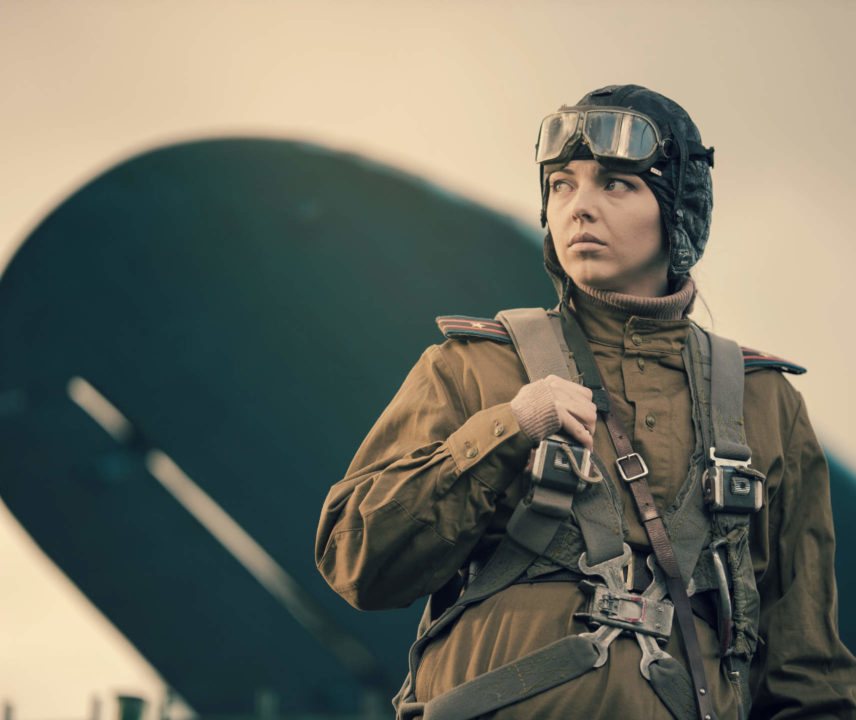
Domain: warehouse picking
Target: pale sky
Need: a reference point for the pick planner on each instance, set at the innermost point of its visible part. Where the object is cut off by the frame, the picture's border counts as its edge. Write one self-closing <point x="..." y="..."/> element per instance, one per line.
<point x="452" y="91"/>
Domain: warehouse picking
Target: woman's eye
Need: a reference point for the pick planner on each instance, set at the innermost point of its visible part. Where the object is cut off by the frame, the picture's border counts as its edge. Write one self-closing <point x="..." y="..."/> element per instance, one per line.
<point x="618" y="184"/>
<point x="560" y="186"/>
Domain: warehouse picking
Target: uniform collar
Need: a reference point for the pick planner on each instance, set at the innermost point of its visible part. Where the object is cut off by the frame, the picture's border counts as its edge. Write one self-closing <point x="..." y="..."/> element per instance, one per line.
<point x="655" y="325"/>
<point x="669" y="307"/>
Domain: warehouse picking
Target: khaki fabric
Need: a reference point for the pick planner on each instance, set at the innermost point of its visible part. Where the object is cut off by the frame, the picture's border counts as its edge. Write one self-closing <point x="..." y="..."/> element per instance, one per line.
<point x="439" y="474"/>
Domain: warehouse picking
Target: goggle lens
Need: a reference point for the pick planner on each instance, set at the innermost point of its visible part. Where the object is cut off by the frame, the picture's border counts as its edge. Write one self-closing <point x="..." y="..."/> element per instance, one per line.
<point x="611" y="134"/>
<point x="620" y="136"/>
<point x="556" y="131"/>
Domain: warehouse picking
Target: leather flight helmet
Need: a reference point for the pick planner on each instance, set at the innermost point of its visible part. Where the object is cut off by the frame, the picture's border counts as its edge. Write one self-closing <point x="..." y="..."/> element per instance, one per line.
<point x="679" y="176"/>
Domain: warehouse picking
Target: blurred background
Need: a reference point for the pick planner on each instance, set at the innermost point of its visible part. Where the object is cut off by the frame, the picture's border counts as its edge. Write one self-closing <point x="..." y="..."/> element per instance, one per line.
<point x="204" y="185"/>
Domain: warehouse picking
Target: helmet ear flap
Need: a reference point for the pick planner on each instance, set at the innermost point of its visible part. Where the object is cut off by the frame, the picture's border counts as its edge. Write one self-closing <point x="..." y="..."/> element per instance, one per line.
<point x="682" y="255"/>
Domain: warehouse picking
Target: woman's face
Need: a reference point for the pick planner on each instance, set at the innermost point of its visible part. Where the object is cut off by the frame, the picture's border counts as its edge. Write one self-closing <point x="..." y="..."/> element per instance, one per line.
<point x="606" y="229"/>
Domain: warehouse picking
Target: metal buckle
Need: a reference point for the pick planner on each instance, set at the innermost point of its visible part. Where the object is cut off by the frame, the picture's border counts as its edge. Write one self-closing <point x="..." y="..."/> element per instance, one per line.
<point x="740" y="485"/>
<point x="560" y="470"/>
<point x="631" y="611"/>
<point x="632" y="456"/>
<point x="732" y="486"/>
<point x="727" y="462"/>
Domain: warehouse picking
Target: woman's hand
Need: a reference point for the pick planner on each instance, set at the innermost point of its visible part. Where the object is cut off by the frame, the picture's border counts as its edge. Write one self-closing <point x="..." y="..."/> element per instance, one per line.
<point x="546" y="406"/>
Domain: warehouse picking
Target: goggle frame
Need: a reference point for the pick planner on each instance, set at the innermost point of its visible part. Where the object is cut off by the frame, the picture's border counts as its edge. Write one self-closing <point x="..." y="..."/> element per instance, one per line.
<point x="580" y="133"/>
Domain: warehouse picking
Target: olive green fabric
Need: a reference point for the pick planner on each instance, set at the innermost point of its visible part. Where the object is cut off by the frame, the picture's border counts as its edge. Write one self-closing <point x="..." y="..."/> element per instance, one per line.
<point x="438" y="476"/>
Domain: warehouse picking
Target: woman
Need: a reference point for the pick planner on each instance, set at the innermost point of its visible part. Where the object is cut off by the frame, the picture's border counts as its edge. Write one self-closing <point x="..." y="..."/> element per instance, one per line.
<point x="444" y="479"/>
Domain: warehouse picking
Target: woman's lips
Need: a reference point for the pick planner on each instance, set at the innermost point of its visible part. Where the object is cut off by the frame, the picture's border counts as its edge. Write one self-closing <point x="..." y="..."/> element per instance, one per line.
<point x="585" y="241"/>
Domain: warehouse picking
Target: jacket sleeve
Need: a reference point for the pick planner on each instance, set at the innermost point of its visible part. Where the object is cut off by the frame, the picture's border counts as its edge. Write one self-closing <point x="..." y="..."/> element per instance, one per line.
<point x="804" y="671"/>
<point x="422" y="487"/>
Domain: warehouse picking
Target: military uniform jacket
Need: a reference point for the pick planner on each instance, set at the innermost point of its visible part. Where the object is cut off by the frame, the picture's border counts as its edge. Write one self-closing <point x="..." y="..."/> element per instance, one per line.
<point x="438" y="476"/>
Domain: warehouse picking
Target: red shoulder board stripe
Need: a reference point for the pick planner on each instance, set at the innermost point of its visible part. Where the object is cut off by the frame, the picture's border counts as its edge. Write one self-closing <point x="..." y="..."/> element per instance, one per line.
<point x="464" y="326"/>
<point x="758" y="359"/>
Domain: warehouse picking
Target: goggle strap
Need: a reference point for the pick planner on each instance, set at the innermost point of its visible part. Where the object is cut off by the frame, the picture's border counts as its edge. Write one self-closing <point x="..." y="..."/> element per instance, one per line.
<point x="697" y="151"/>
<point x="683" y="145"/>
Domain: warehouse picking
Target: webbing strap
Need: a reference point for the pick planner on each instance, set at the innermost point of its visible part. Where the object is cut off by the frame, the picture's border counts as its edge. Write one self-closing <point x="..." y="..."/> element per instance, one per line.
<point x="600" y="522"/>
<point x="697" y="361"/>
<point x="589" y="372"/>
<point x="689" y="520"/>
<point x="656" y="530"/>
<point x="543" y="352"/>
<point x="720" y="382"/>
<point x="542" y="343"/>
<point x="540" y="340"/>
<point x="727" y="380"/>
<point x="532" y="332"/>
<point x="674" y="687"/>
<point x="722" y="429"/>
<point x="546" y="668"/>
<point x="634" y="471"/>
<point x="507" y="563"/>
<point x="531" y="529"/>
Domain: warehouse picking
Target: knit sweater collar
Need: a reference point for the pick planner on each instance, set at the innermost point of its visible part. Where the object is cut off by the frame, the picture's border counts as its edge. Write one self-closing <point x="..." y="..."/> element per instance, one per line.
<point x="655" y="325"/>
<point x="668" y="307"/>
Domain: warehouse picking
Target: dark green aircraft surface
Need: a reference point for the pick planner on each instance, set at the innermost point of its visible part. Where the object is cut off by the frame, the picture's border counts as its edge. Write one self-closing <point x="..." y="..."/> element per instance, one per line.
<point x="191" y="348"/>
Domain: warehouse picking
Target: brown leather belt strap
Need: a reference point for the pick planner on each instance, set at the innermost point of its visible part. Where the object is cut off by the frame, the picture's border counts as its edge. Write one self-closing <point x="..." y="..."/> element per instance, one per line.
<point x="633" y="470"/>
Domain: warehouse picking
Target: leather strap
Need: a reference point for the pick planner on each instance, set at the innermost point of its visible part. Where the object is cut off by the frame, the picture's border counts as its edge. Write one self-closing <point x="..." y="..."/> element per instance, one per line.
<point x="589" y="375"/>
<point x="632" y="467"/>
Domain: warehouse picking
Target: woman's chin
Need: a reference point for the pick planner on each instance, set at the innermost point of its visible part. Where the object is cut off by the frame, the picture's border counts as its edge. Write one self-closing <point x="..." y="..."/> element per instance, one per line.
<point x="596" y="281"/>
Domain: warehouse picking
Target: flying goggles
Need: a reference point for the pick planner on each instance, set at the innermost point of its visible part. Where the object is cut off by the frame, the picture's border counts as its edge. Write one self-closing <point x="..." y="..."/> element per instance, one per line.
<point x="616" y="136"/>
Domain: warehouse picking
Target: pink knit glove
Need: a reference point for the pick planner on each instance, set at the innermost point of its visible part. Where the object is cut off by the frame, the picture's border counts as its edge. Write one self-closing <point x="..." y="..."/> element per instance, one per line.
<point x="534" y="408"/>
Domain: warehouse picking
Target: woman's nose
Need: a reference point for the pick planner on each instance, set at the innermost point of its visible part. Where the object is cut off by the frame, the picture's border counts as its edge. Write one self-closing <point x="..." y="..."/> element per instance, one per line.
<point x="583" y="206"/>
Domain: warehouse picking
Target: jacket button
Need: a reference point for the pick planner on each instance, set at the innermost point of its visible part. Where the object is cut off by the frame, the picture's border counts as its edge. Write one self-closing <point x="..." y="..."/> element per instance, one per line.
<point x="640" y="361"/>
<point x="498" y="429"/>
<point x="636" y="338"/>
<point x="471" y="452"/>
<point x="650" y="420"/>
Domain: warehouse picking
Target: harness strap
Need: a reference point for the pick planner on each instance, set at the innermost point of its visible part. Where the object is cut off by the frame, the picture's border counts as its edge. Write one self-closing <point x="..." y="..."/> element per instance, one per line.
<point x="632" y="468"/>
<point x="529" y="532"/>
<point x="697" y="351"/>
<point x="540" y="340"/>
<point x="545" y="350"/>
<point x="546" y="668"/>
<point x="589" y="372"/>
<point x="717" y="382"/>
<point x="672" y="685"/>
<point x="689" y="522"/>
<point x="634" y="471"/>
<point x="600" y="522"/>
<point x="726" y="391"/>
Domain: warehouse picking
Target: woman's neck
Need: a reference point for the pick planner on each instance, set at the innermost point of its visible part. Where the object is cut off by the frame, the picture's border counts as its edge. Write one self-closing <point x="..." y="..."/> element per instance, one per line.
<point x="673" y="306"/>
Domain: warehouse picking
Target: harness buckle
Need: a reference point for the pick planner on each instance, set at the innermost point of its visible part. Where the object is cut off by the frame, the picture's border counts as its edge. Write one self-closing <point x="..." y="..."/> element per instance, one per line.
<point x="731" y="486"/>
<point x="559" y="471"/>
<point x="629" y="611"/>
<point x="631" y="473"/>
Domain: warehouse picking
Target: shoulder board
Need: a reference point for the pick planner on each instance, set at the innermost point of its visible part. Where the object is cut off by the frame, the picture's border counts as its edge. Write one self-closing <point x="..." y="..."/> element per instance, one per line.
<point x="757" y="359"/>
<point x="453" y="326"/>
